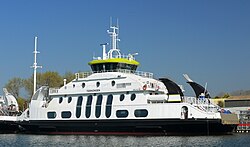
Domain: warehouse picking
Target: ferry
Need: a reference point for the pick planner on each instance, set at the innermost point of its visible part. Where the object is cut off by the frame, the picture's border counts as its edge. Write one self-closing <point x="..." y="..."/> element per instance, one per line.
<point x="116" y="99"/>
<point x="8" y="113"/>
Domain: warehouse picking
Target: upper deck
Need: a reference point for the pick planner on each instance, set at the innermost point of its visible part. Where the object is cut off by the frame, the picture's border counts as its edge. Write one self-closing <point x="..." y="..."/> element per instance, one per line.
<point x="113" y="60"/>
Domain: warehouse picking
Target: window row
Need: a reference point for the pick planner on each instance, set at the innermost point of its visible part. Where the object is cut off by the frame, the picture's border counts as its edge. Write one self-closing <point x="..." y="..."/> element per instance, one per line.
<point x="119" y="113"/>
<point x="98" y="84"/>
<point x="122" y="97"/>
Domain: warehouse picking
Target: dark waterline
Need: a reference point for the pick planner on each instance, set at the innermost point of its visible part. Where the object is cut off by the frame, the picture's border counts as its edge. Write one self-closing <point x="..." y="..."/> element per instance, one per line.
<point x="128" y="141"/>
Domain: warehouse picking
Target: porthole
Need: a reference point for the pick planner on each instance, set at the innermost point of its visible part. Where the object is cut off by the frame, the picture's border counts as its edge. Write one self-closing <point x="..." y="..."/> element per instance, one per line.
<point x="97" y="84"/>
<point x="60" y="100"/>
<point x="69" y="99"/>
<point x="66" y="114"/>
<point x="74" y="85"/>
<point x="122" y="96"/>
<point x="122" y="113"/>
<point x="51" y="114"/>
<point x="133" y="96"/>
<point x="83" y="85"/>
<point x="141" y="113"/>
<point x="113" y="83"/>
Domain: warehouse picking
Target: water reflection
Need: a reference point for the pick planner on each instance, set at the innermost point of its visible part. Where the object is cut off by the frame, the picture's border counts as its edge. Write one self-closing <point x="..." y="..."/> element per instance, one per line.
<point x="127" y="141"/>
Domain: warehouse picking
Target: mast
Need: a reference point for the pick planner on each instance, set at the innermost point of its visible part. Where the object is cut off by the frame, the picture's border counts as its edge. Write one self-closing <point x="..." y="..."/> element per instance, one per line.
<point x="35" y="66"/>
<point x="114" y="35"/>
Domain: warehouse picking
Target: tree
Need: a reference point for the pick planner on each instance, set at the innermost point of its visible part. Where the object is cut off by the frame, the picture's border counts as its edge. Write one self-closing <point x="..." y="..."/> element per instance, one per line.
<point x="69" y="76"/>
<point x="21" y="102"/>
<point x="49" y="78"/>
<point x="28" y="85"/>
<point x="14" y="85"/>
<point x="226" y="95"/>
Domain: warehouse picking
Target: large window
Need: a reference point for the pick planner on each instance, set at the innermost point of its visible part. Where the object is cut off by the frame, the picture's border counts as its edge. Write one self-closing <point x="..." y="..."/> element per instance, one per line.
<point x="88" y="106"/>
<point x="79" y="107"/>
<point x="141" y="113"/>
<point x="109" y="105"/>
<point x="112" y="67"/>
<point x="66" y="114"/>
<point x="98" y="106"/>
<point x="121" y="113"/>
<point x="51" y="114"/>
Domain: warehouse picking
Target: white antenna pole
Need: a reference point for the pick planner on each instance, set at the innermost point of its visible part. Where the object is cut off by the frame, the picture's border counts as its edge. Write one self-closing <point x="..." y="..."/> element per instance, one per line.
<point x="35" y="65"/>
<point x="205" y="89"/>
<point x="104" y="55"/>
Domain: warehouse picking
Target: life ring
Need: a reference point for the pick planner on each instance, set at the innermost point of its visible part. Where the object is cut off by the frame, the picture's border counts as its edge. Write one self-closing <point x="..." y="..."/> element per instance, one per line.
<point x="144" y="87"/>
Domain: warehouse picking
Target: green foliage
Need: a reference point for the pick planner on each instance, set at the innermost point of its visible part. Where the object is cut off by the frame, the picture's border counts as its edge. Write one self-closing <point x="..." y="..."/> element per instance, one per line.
<point x="220" y="103"/>
<point x="217" y="97"/>
<point x="226" y="95"/>
<point x="28" y="85"/>
<point x="21" y="102"/>
<point x="51" y="79"/>
<point x="69" y="76"/>
<point x="14" y="85"/>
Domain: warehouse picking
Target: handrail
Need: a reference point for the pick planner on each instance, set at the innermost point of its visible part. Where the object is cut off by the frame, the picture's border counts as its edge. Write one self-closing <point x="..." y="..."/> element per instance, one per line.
<point x="139" y="73"/>
<point x="203" y="103"/>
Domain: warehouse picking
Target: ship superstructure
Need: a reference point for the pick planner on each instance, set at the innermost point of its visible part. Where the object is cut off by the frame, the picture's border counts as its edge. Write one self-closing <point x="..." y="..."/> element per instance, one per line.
<point x="115" y="98"/>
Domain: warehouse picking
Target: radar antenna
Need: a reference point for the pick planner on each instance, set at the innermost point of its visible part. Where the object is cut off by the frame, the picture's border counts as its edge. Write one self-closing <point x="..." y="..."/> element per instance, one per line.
<point x="114" y="36"/>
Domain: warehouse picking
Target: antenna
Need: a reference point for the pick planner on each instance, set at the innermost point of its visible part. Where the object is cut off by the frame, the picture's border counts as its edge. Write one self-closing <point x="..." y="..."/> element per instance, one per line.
<point x="35" y="66"/>
<point x="205" y="89"/>
<point x="104" y="54"/>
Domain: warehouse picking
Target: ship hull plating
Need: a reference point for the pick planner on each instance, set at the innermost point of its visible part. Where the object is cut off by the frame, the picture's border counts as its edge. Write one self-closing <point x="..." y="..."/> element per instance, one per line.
<point x="8" y="127"/>
<point x="129" y="127"/>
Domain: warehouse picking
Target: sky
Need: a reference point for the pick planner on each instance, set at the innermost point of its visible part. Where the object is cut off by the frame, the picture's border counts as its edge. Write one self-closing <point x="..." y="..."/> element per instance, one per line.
<point x="207" y="39"/>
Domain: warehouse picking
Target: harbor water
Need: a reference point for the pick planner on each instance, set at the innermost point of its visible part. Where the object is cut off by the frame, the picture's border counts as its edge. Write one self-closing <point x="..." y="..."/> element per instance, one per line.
<point x="239" y="139"/>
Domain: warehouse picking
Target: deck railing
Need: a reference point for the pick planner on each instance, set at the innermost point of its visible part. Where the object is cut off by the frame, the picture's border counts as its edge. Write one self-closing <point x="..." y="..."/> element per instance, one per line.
<point x="139" y="73"/>
<point x="202" y="103"/>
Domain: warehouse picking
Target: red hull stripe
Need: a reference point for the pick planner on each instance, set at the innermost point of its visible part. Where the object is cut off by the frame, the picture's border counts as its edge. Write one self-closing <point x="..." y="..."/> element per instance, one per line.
<point x="244" y="125"/>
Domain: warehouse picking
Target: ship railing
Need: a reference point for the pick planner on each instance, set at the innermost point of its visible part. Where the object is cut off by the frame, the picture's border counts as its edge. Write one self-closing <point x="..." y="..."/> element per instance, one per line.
<point x="129" y="57"/>
<point x="202" y="103"/>
<point x="139" y="73"/>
